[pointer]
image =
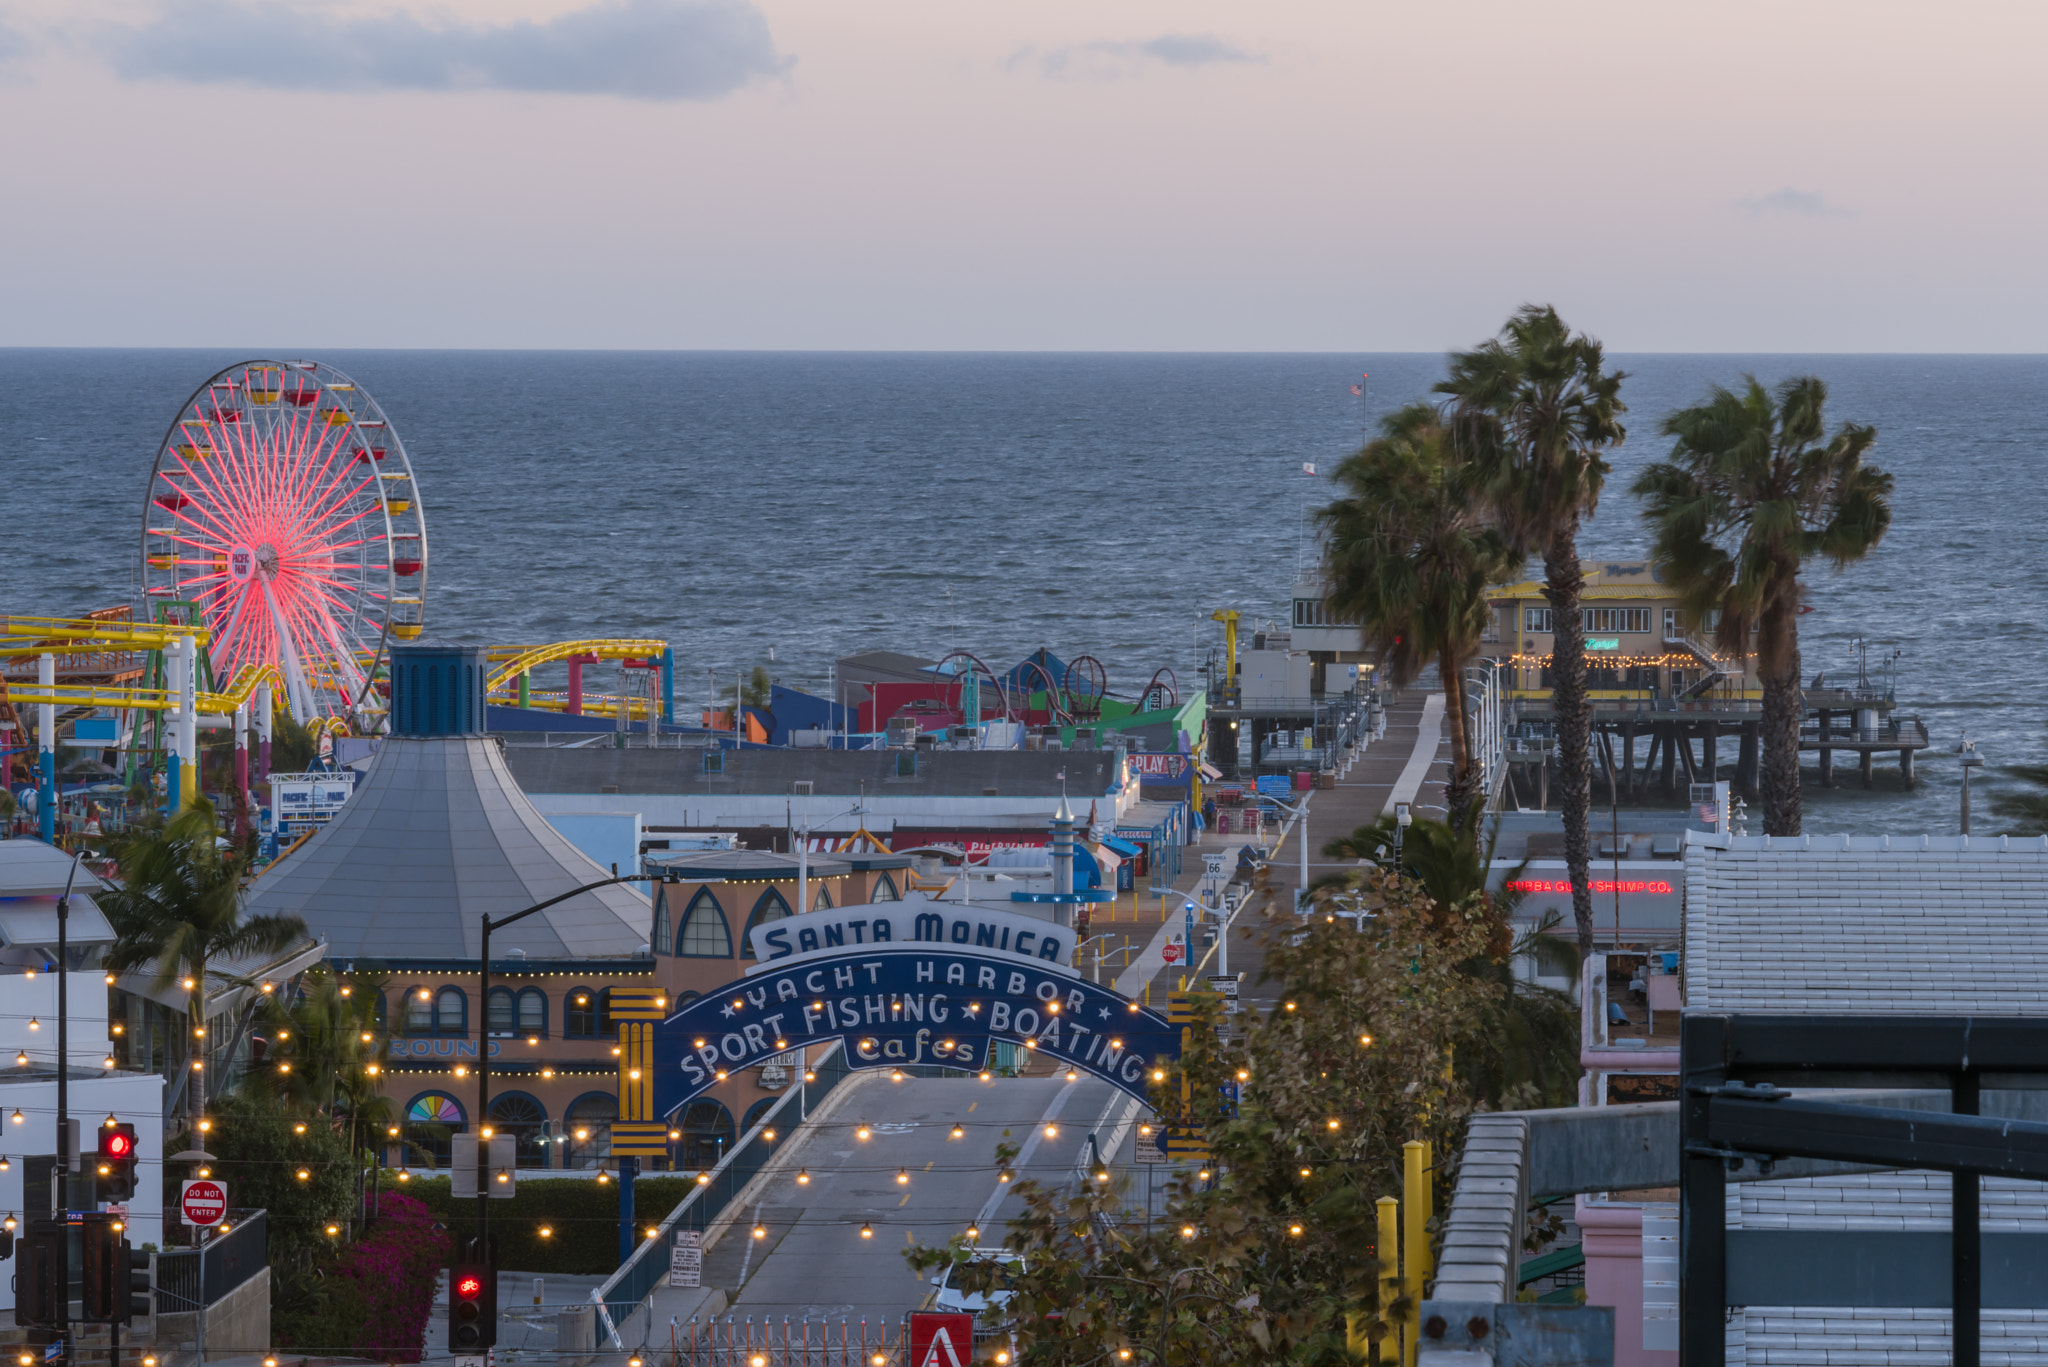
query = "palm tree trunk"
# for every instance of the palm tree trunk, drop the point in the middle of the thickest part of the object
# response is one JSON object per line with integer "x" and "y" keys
{"x": 1457, "y": 792}
{"x": 1784, "y": 708}
{"x": 1561, "y": 586}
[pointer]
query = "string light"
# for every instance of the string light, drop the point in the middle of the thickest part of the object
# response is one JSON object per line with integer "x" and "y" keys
{"x": 768, "y": 1135}
{"x": 1304, "y": 1172}
{"x": 18, "y": 1117}
{"x": 703, "y": 1179}
{"x": 547, "y": 1231}
{"x": 803, "y": 1177}
{"x": 1333, "y": 1123}
{"x": 867, "y": 1231}
{"x": 862, "y": 1132}
{"x": 653, "y": 1233}
{"x": 1294, "y": 1230}
{"x": 22, "y": 1058}
{"x": 760, "y": 1231}
{"x": 1052, "y": 1132}
{"x": 107, "y": 1062}
{"x": 959, "y": 1131}
{"x": 1072, "y": 1076}
{"x": 34, "y": 1024}
{"x": 1187, "y": 1231}
{"x": 1365, "y": 1040}
{"x": 974, "y": 1231}
{"x": 304, "y": 1174}
{"x": 1290, "y": 1006}
{"x": 903, "y": 1177}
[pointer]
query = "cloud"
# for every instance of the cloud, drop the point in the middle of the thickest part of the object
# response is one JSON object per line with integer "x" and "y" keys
{"x": 1114, "y": 61}
{"x": 636, "y": 49}
{"x": 1806, "y": 203}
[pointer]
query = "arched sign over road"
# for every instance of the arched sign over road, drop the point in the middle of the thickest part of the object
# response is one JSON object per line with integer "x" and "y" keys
{"x": 905, "y": 1002}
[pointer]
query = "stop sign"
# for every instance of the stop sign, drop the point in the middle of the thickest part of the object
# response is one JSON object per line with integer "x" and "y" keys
{"x": 1170, "y": 952}
{"x": 203, "y": 1202}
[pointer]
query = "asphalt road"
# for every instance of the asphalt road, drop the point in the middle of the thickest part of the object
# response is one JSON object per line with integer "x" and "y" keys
{"x": 814, "y": 1261}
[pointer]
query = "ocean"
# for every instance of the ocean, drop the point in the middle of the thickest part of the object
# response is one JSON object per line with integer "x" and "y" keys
{"x": 783, "y": 509}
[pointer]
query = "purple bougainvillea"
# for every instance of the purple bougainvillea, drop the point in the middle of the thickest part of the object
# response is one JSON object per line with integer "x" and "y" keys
{"x": 395, "y": 1267}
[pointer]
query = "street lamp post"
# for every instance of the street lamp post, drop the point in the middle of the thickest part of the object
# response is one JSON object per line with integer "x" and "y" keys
{"x": 1969, "y": 759}
{"x": 483, "y": 1050}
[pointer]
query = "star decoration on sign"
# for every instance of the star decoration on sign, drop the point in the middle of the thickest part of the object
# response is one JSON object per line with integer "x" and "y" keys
{"x": 1105, "y": 1013}
{"x": 725, "y": 1011}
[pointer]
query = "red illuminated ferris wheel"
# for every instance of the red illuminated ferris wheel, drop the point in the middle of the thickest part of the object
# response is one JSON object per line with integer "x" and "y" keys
{"x": 283, "y": 506}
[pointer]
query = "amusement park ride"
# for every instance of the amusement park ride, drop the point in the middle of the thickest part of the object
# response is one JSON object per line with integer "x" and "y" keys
{"x": 284, "y": 547}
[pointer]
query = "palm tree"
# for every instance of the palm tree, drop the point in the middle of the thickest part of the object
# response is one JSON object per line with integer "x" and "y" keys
{"x": 179, "y": 908}
{"x": 1410, "y": 553}
{"x": 1754, "y": 489}
{"x": 1549, "y": 409}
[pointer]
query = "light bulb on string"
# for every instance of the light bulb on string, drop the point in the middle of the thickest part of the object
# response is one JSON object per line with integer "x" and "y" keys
{"x": 867, "y": 1231}
{"x": 903, "y": 1177}
{"x": 803, "y": 1177}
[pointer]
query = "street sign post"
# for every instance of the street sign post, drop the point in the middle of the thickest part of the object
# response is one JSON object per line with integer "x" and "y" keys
{"x": 1225, "y": 986}
{"x": 203, "y": 1201}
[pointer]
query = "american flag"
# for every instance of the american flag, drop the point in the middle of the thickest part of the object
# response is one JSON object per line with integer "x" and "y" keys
{"x": 1359, "y": 390}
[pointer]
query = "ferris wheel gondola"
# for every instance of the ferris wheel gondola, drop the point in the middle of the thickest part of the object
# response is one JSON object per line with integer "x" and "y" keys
{"x": 282, "y": 504}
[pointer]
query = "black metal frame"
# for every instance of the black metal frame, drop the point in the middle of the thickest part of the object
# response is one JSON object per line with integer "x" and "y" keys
{"x": 1733, "y": 1112}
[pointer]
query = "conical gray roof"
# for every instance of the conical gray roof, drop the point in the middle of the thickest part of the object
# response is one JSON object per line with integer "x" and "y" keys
{"x": 436, "y": 836}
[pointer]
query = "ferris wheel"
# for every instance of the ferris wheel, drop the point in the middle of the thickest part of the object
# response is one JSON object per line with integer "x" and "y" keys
{"x": 282, "y": 505}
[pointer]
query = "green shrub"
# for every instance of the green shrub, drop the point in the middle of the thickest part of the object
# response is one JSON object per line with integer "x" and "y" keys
{"x": 583, "y": 1215}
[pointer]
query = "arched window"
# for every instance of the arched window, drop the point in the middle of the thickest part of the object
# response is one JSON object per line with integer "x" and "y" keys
{"x": 533, "y": 1011}
{"x": 526, "y": 1120}
{"x": 377, "y": 1008}
{"x": 756, "y": 1112}
{"x": 419, "y": 1012}
{"x": 823, "y": 901}
{"x": 451, "y": 1012}
{"x": 588, "y": 1127}
{"x": 504, "y": 1012}
{"x": 605, "y": 1028}
{"x": 579, "y": 1013}
{"x": 429, "y": 1122}
{"x": 704, "y": 934}
{"x": 885, "y": 890}
{"x": 707, "y": 1135}
{"x": 662, "y": 944}
{"x": 770, "y": 907}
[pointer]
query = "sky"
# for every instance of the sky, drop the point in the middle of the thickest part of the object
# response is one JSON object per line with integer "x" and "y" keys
{"x": 1298, "y": 175}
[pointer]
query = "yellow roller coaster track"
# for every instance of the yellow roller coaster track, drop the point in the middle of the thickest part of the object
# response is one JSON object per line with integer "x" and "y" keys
{"x": 148, "y": 699}
{"x": 59, "y": 634}
{"x": 532, "y": 657}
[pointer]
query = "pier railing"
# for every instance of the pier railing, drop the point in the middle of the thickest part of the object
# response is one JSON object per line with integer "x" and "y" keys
{"x": 636, "y": 1279}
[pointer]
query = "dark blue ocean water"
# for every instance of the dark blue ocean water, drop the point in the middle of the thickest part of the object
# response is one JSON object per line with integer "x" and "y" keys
{"x": 814, "y": 505}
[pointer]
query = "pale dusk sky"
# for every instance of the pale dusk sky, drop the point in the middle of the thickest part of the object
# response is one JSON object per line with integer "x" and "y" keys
{"x": 996, "y": 174}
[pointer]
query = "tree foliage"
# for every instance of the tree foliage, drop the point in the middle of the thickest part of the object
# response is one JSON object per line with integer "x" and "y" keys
{"x": 1755, "y": 487}
{"x": 178, "y": 909}
{"x": 1410, "y": 551}
{"x": 1274, "y": 1256}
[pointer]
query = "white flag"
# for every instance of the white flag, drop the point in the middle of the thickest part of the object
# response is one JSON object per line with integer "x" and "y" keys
{"x": 1308, "y": 467}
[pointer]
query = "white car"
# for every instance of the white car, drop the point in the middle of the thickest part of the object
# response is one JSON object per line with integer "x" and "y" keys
{"x": 951, "y": 1297}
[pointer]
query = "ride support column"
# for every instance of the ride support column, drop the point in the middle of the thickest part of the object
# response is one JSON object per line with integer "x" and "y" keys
{"x": 188, "y": 721}
{"x": 46, "y": 751}
{"x": 242, "y": 769}
{"x": 265, "y": 706}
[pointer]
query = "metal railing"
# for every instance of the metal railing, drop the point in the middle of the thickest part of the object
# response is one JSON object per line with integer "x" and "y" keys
{"x": 230, "y": 1259}
{"x": 1490, "y": 715}
{"x": 637, "y": 1277}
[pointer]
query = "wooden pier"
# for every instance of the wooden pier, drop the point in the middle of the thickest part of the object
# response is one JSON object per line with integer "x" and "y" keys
{"x": 1682, "y": 741}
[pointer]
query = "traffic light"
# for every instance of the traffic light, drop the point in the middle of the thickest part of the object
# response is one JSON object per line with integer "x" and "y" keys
{"x": 141, "y": 1298}
{"x": 39, "y": 1284}
{"x": 472, "y": 1308}
{"x": 103, "y": 1269}
{"x": 114, "y": 1174}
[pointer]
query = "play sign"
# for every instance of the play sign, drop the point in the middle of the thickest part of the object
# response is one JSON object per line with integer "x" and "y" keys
{"x": 203, "y": 1202}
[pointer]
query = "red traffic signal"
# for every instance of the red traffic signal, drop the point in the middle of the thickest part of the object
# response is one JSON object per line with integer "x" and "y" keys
{"x": 472, "y": 1308}
{"x": 115, "y": 1174}
{"x": 469, "y": 1288}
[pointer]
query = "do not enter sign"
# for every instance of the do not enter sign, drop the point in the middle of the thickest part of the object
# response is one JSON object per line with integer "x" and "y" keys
{"x": 203, "y": 1202}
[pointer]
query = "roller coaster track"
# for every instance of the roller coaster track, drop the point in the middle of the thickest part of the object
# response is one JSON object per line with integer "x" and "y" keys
{"x": 60, "y": 635}
{"x": 148, "y": 699}
{"x": 509, "y": 662}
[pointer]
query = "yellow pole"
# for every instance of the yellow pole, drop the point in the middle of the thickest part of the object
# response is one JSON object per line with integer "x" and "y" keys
{"x": 1390, "y": 1275}
{"x": 1415, "y": 1214}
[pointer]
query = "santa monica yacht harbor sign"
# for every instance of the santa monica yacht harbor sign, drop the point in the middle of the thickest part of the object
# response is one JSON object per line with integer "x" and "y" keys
{"x": 920, "y": 995}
